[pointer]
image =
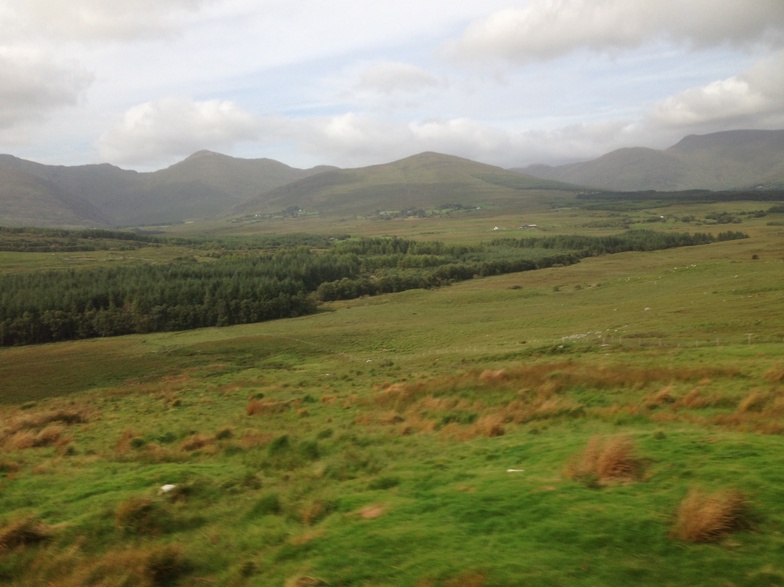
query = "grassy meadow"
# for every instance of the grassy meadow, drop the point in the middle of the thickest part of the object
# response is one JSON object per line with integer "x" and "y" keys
{"x": 614, "y": 422}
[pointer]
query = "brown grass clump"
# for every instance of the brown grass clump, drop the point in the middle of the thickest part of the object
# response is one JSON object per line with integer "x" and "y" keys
{"x": 755, "y": 401}
{"x": 661, "y": 397}
{"x": 263, "y": 406}
{"x": 490, "y": 426}
{"x": 49, "y": 436}
{"x": 23, "y": 532}
{"x": 141, "y": 516}
{"x": 197, "y": 442}
{"x": 316, "y": 511}
{"x": 493, "y": 375}
{"x": 776, "y": 374}
{"x": 254, "y": 438}
{"x": 705, "y": 517}
{"x": 150, "y": 566}
{"x": 604, "y": 461}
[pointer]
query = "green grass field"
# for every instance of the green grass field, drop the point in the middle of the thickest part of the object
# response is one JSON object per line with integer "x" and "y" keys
{"x": 614, "y": 422}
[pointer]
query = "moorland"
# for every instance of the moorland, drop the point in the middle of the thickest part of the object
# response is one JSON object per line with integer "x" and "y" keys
{"x": 550, "y": 386}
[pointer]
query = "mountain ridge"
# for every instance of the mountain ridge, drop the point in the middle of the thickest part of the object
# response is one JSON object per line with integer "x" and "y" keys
{"x": 723, "y": 160}
{"x": 208, "y": 185}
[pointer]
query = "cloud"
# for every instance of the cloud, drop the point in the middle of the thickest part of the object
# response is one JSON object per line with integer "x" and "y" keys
{"x": 95, "y": 20}
{"x": 355, "y": 139}
{"x": 752, "y": 97}
{"x": 392, "y": 77}
{"x": 32, "y": 86}
{"x": 547, "y": 29}
{"x": 172, "y": 127}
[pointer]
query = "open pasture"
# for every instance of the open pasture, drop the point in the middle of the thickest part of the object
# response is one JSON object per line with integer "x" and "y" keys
{"x": 618, "y": 421}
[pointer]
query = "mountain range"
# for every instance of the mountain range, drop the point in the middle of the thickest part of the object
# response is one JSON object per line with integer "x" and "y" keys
{"x": 718, "y": 161}
{"x": 211, "y": 185}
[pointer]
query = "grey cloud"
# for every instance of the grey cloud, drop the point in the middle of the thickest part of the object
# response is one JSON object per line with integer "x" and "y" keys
{"x": 32, "y": 86}
{"x": 548, "y": 29}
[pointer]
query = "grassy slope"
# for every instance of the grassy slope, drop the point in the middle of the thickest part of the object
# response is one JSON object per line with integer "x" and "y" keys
{"x": 392, "y": 471}
{"x": 427, "y": 180}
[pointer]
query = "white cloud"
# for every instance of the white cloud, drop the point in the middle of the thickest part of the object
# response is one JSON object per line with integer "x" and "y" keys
{"x": 174, "y": 127}
{"x": 751, "y": 97}
{"x": 94, "y": 20}
{"x": 548, "y": 29}
{"x": 352, "y": 139}
{"x": 32, "y": 86}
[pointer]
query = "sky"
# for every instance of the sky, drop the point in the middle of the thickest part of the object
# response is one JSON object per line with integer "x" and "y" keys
{"x": 143, "y": 84}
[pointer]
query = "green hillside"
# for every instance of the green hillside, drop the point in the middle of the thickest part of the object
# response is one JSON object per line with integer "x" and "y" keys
{"x": 201, "y": 186}
{"x": 424, "y": 181}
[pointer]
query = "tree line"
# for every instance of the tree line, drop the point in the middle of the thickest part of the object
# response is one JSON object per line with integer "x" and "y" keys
{"x": 240, "y": 285}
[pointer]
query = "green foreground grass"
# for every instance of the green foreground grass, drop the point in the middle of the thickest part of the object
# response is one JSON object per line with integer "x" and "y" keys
{"x": 425, "y": 438}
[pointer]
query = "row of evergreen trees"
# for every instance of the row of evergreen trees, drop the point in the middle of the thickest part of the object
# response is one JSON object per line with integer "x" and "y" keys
{"x": 244, "y": 286}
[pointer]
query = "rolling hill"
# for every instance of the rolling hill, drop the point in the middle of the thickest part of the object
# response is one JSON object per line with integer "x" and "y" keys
{"x": 427, "y": 180}
{"x": 210, "y": 185}
{"x": 716, "y": 161}
{"x": 201, "y": 186}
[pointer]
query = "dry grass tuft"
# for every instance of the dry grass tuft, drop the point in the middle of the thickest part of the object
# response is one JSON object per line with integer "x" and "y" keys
{"x": 255, "y": 438}
{"x": 604, "y": 461}
{"x": 755, "y": 401}
{"x": 23, "y": 532}
{"x": 660, "y": 398}
{"x": 197, "y": 442}
{"x": 705, "y": 517}
{"x": 776, "y": 374}
{"x": 263, "y": 406}
{"x": 141, "y": 516}
{"x": 493, "y": 375}
{"x": 490, "y": 426}
{"x": 315, "y": 511}
{"x": 51, "y": 435}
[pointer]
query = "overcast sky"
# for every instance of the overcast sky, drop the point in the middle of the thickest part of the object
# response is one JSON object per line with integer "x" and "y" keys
{"x": 144, "y": 83}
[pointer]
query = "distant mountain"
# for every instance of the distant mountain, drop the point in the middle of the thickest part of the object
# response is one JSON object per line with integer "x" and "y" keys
{"x": 716, "y": 161}
{"x": 426, "y": 181}
{"x": 210, "y": 185}
{"x": 28, "y": 200}
{"x": 201, "y": 186}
